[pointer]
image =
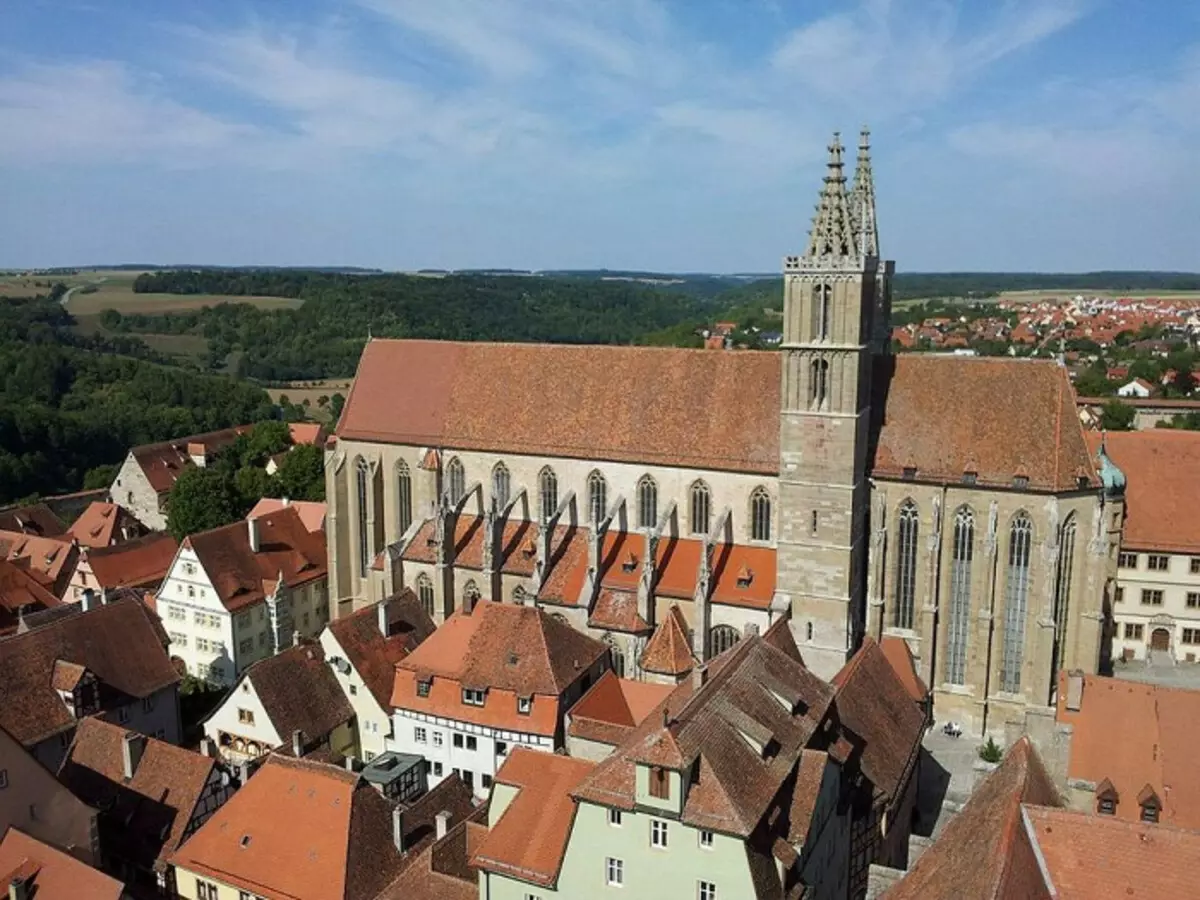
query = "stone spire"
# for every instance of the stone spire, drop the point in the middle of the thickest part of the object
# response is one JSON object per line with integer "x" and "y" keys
{"x": 862, "y": 200}
{"x": 832, "y": 232}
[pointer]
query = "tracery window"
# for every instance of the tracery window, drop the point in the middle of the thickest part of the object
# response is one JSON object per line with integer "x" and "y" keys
{"x": 501, "y": 485}
{"x": 907, "y": 531}
{"x": 1016, "y": 602}
{"x": 597, "y": 497}
{"x": 403, "y": 497}
{"x": 647, "y": 490}
{"x": 701, "y": 508}
{"x": 547, "y": 493}
{"x": 960, "y": 596}
{"x": 760, "y": 515}
{"x": 456, "y": 480}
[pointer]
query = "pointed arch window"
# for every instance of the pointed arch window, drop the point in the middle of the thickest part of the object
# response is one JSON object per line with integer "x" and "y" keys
{"x": 821, "y": 309}
{"x": 597, "y": 497}
{"x": 403, "y": 497}
{"x": 818, "y": 383}
{"x": 1062, "y": 598}
{"x": 701, "y": 508}
{"x": 501, "y": 485}
{"x": 425, "y": 593}
{"x": 471, "y": 595}
{"x": 456, "y": 480}
{"x": 722, "y": 638}
{"x": 959, "y": 622}
{"x": 1016, "y": 602}
{"x": 647, "y": 502}
{"x": 362, "y": 482}
{"x": 760, "y": 514}
{"x": 547, "y": 493}
{"x": 907, "y": 532}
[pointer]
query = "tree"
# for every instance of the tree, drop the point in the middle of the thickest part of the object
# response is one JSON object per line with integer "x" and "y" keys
{"x": 1117, "y": 416}
{"x": 200, "y": 499}
{"x": 265, "y": 440}
{"x": 252, "y": 483}
{"x": 336, "y": 402}
{"x": 100, "y": 477}
{"x": 991, "y": 752}
{"x": 301, "y": 474}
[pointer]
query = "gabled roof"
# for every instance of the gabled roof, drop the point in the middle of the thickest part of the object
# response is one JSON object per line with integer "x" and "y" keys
{"x": 37, "y": 518}
{"x": 307, "y": 433}
{"x": 50, "y": 874}
{"x": 163, "y": 462}
{"x": 306, "y": 829}
{"x": 298, "y": 692}
{"x": 669, "y": 650}
{"x": 517, "y": 552}
{"x": 312, "y": 513}
{"x": 985, "y": 852}
{"x": 146, "y": 817}
{"x": 753, "y": 693}
{"x": 242, "y": 577}
{"x": 874, "y": 704}
{"x": 121, "y": 642}
{"x": 442, "y": 870}
{"x": 49, "y": 559}
{"x": 613, "y": 707}
{"x": 143, "y": 562}
{"x": 903, "y": 663}
{"x": 20, "y": 594}
{"x": 104, "y": 524}
{"x": 373, "y": 655}
{"x": 528, "y": 842}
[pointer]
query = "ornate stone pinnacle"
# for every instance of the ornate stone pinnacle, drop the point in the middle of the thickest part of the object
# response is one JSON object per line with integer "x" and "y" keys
{"x": 862, "y": 199}
{"x": 833, "y": 233}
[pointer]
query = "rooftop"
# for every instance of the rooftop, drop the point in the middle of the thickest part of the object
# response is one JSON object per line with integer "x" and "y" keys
{"x": 163, "y": 462}
{"x": 142, "y": 562}
{"x": 104, "y": 524}
{"x": 373, "y": 655}
{"x": 20, "y": 594}
{"x": 613, "y": 707}
{"x": 50, "y": 874}
{"x": 312, "y": 514}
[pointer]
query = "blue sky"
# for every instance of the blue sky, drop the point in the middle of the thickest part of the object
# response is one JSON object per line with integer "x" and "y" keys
{"x": 687, "y": 135}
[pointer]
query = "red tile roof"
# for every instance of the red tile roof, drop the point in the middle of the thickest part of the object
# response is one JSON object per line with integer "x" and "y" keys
{"x": 578, "y": 401}
{"x": 140, "y": 563}
{"x": 122, "y": 643}
{"x": 299, "y": 692}
{"x": 1134, "y": 735}
{"x": 163, "y": 462}
{"x": 617, "y": 610}
{"x": 1162, "y": 503}
{"x": 900, "y": 656}
{"x": 613, "y": 707}
{"x": 36, "y": 518}
{"x": 50, "y": 874}
{"x": 509, "y": 651}
{"x": 50, "y": 560}
{"x": 373, "y": 655}
{"x": 669, "y": 650}
{"x": 307, "y": 433}
{"x": 529, "y": 840}
{"x": 312, "y": 514}
{"x": 242, "y": 577}
{"x": 104, "y": 524}
{"x": 518, "y": 545}
{"x": 144, "y": 819}
{"x": 20, "y": 593}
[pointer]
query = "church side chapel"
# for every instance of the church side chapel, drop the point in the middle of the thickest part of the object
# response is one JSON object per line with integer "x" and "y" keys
{"x": 657, "y": 497}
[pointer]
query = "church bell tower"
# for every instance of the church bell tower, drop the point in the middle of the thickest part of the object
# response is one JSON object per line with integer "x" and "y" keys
{"x": 835, "y": 325}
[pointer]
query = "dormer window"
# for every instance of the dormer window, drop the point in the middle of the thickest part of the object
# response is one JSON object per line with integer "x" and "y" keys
{"x": 423, "y": 686}
{"x": 910, "y": 473}
{"x": 1150, "y": 812}
{"x": 1020, "y": 482}
{"x": 970, "y": 477}
{"x": 744, "y": 577}
{"x": 524, "y": 705}
{"x": 630, "y": 564}
{"x": 1150, "y": 804}
{"x": 473, "y": 697}
{"x": 1107, "y": 806}
{"x": 1106, "y": 798}
{"x": 660, "y": 783}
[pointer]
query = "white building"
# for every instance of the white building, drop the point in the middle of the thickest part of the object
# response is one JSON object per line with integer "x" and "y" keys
{"x": 1139, "y": 387}
{"x": 486, "y": 681}
{"x": 362, "y": 650}
{"x": 241, "y": 593}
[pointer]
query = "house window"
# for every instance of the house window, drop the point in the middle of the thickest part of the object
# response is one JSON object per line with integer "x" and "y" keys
{"x": 760, "y": 515}
{"x": 403, "y": 497}
{"x": 458, "y": 740}
{"x": 1191, "y": 635}
{"x": 706, "y": 890}
{"x": 701, "y": 508}
{"x": 472, "y": 697}
{"x": 456, "y": 480}
{"x": 471, "y": 742}
{"x": 353, "y": 690}
{"x": 1128, "y": 560}
{"x": 960, "y": 596}
{"x": 524, "y": 705}
{"x": 706, "y": 839}
{"x": 723, "y": 637}
{"x": 1150, "y": 811}
{"x": 658, "y": 834}
{"x": 906, "y": 564}
{"x": 1119, "y": 595}
{"x": 647, "y": 502}
{"x": 425, "y": 593}
{"x": 485, "y": 781}
{"x": 547, "y": 493}
{"x": 501, "y": 485}
{"x": 245, "y": 717}
{"x": 438, "y": 739}
{"x": 614, "y": 818}
{"x": 123, "y": 714}
{"x": 1020, "y": 537}
{"x": 614, "y": 871}
{"x": 1152, "y": 598}
{"x": 1193, "y": 599}
{"x": 437, "y": 769}
{"x": 1194, "y": 565}
{"x": 206, "y": 890}
{"x": 177, "y": 613}
{"x": 1157, "y": 563}
{"x": 246, "y": 646}
{"x": 216, "y": 670}
{"x": 660, "y": 785}
{"x": 1133, "y": 632}
{"x": 419, "y": 735}
{"x": 597, "y": 497}
{"x": 501, "y": 747}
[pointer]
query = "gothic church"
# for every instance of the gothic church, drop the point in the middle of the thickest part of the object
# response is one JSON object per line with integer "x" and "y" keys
{"x": 668, "y": 501}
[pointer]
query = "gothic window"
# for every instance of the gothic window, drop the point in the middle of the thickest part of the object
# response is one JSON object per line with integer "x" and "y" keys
{"x": 519, "y": 595}
{"x": 403, "y": 497}
{"x": 597, "y": 497}
{"x": 818, "y": 383}
{"x": 723, "y": 637}
{"x": 501, "y": 485}
{"x": 1062, "y": 597}
{"x": 362, "y": 480}
{"x": 760, "y": 515}
{"x": 906, "y": 564}
{"x": 471, "y": 595}
{"x": 1016, "y": 602}
{"x": 647, "y": 502}
{"x": 701, "y": 508}
{"x": 821, "y": 308}
{"x": 547, "y": 493}
{"x": 960, "y": 596}
{"x": 425, "y": 593}
{"x": 456, "y": 480}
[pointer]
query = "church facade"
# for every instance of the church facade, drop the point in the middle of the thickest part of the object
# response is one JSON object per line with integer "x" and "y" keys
{"x": 952, "y": 501}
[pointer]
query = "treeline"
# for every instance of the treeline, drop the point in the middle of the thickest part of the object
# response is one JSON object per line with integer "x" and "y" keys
{"x": 324, "y": 337}
{"x": 70, "y": 405}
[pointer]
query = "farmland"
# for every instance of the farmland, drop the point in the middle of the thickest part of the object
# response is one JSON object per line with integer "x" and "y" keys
{"x": 92, "y": 292}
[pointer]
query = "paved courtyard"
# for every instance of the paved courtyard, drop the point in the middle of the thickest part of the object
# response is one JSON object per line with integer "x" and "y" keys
{"x": 1160, "y": 669}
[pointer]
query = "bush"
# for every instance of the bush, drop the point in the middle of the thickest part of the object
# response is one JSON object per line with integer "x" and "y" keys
{"x": 991, "y": 752}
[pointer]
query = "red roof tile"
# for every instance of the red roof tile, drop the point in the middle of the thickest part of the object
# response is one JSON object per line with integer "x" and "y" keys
{"x": 373, "y": 655}
{"x": 163, "y": 462}
{"x": 518, "y": 545}
{"x": 299, "y": 692}
{"x": 669, "y": 650}
{"x": 50, "y": 560}
{"x": 37, "y": 519}
{"x": 143, "y": 562}
{"x": 20, "y": 593}
{"x": 50, "y": 874}
{"x": 307, "y": 433}
{"x": 105, "y": 524}
{"x": 312, "y": 514}
{"x": 614, "y": 706}
{"x": 899, "y": 655}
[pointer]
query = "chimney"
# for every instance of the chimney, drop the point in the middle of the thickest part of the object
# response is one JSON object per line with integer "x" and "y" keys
{"x": 88, "y": 603}
{"x": 197, "y": 453}
{"x": 1075, "y": 690}
{"x": 208, "y": 747}
{"x": 381, "y": 617}
{"x": 286, "y": 502}
{"x": 442, "y": 821}
{"x": 398, "y": 828}
{"x": 349, "y": 762}
{"x": 133, "y": 745}
{"x": 699, "y": 676}
{"x": 297, "y": 743}
{"x": 18, "y": 888}
{"x": 252, "y": 528}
